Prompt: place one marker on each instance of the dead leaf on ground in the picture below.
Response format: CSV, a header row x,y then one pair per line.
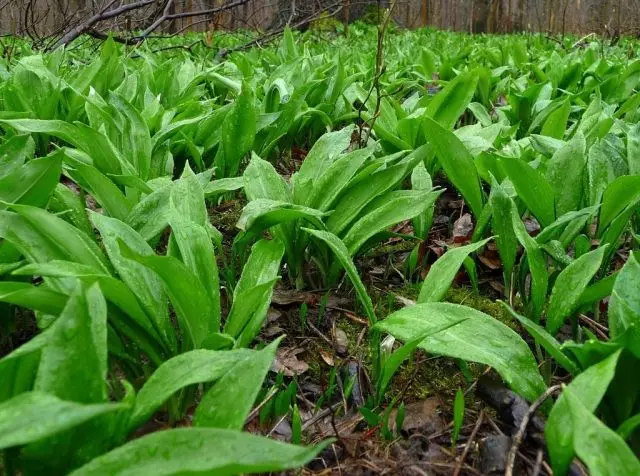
x,y
490,259
420,417
463,229
327,357
287,362
532,226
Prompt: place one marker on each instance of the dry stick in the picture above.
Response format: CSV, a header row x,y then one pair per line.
x,y
375,85
467,447
517,439
98,17
257,409
174,16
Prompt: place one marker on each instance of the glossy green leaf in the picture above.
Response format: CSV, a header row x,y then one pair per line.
x,y
33,183
589,388
342,255
502,227
188,297
457,162
569,285
475,336
550,344
449,104
229,402
196,366
624,305
74,361
33,416
532,188
200,450
603,451
444,270
388,209
238,131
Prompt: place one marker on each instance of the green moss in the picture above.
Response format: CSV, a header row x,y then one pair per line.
x,y
467,297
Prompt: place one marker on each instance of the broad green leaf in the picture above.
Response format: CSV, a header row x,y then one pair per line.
x,y
421,180
33,416
134,135
502,227
196,366
589,388
550,344
556,123
342,255
603,451
564,173
624,305
38,298
388,209
252,294
200,450
532,188
457,162
220,186
188,222
566,221
336,178
143,282
106,193
59,235
449,104
633,150
73,365
444,270
356,197
569,285
261,214
188,297
114,290
18,369
321,156
600,172
238,131
66,202
620,193
477,338
228,403
33,183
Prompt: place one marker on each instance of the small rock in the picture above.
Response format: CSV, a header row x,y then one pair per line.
x,y
493,455
340,341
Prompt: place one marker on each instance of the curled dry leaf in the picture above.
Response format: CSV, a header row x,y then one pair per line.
x,y
420,417
463,229
287,362
327,357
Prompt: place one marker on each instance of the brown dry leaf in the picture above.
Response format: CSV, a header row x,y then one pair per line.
x,y
532,226
285,297
498,286
327,357
463,229
287,362
490,259
351,316
420,417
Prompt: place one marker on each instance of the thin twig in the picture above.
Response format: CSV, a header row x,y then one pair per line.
x,y
467,447
519,436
